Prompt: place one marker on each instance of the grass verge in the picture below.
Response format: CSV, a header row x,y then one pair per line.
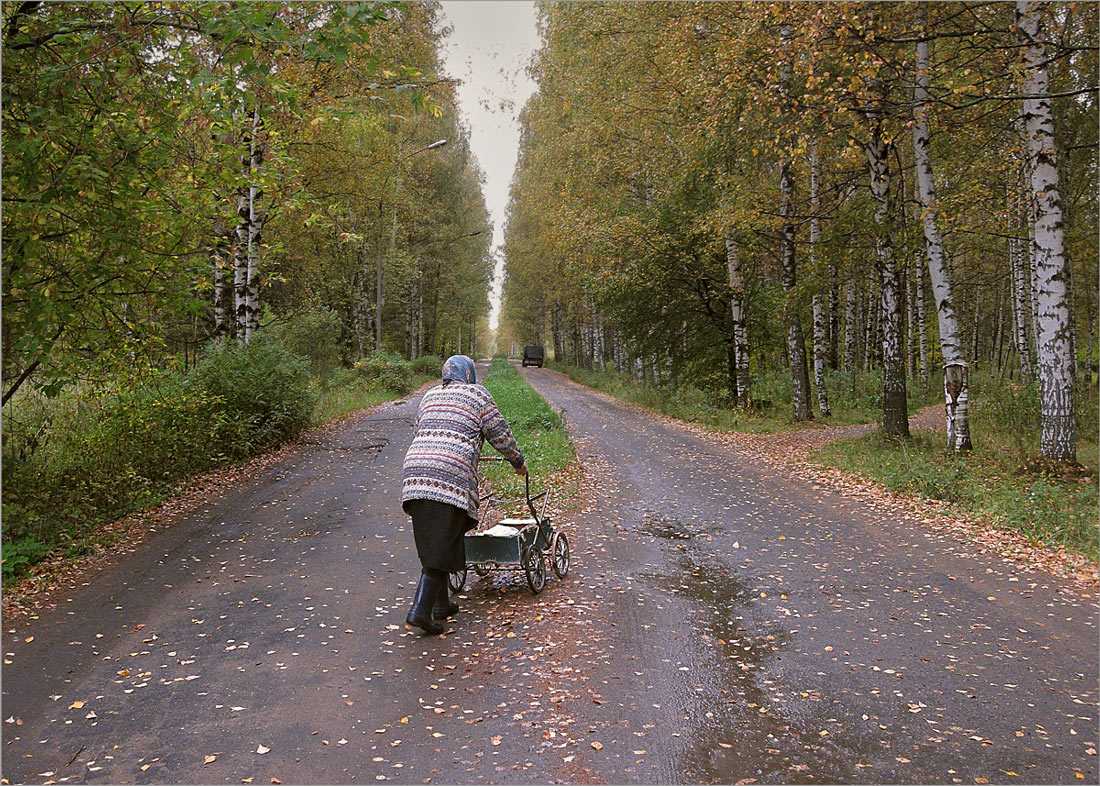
x,y
1003,482
538,429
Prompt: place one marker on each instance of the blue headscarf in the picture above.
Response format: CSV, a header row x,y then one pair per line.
x,y
459,368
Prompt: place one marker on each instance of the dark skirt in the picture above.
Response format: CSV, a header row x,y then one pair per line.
x,y
438,529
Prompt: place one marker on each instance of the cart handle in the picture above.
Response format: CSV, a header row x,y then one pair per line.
x,y
543,495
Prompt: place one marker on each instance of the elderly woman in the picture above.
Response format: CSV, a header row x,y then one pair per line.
x,y
439,481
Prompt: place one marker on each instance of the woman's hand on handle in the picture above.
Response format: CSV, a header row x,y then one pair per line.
x,y
522,469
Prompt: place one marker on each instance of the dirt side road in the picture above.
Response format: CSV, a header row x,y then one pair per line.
x,y
719,623
808,636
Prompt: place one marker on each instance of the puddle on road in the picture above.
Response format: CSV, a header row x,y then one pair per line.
x,y
666,527
745,726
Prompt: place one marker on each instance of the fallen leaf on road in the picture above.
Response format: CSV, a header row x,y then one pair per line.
x,y
29,639
598,746
724,745
262,750
208,759
495,740
76,705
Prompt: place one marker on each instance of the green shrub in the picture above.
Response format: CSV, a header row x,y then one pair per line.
x,y
262,390
313,335
386,371
428,365
93,454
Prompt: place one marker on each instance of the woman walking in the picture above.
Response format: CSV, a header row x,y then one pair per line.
x,y
439,481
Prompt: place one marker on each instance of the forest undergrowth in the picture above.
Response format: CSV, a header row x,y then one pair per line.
x,y
93,453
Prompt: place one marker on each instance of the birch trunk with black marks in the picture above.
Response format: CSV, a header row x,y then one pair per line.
x,y
895,417
922,326
1054,341
1021,314
851,325
821,319
796,342
256,219
223,281
240,252
740,344
834,314
955,385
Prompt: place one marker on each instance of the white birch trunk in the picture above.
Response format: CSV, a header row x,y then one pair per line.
x,y
895,417
922,326
955,385
255,226
796,343
240,253
737,312
1021,316
821,319
1054,340
223,285
851,324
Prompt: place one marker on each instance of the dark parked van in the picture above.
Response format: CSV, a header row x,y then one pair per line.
x,y
532,355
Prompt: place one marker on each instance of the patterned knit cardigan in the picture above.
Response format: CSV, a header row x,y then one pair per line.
x,y
453,423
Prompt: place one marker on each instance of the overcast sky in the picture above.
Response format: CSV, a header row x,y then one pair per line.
x,y
489,50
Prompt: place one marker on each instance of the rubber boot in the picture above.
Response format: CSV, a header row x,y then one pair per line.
x,y
420,614
443,607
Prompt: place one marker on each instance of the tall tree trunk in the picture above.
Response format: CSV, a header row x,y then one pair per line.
x,y
821,319
740,344
955,385
1054,340
223,284
255,225
895,417
244,232
851,324
796,342
379,299
922,326
834,313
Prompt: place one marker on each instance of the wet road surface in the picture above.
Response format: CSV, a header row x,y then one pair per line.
x,y
804,636
719,623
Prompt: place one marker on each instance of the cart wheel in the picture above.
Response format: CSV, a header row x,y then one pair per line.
x,y
559,547
482,570
535,569
457,580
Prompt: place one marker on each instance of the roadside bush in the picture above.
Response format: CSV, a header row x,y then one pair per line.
x,y
428,365
386,371
93,454
262,390
313,335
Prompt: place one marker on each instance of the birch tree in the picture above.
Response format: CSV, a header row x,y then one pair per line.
x,y
955,383
1054,340
796,342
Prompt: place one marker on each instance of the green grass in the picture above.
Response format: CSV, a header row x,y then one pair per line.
x,y
538,429
1003,481
853,398
344,393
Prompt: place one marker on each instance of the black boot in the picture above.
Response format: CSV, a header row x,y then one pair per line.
x,y
443,607
420,614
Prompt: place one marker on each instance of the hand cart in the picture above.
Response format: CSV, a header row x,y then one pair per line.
x,y
527,544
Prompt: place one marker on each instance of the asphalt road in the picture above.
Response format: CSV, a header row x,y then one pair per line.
x,y
720,623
